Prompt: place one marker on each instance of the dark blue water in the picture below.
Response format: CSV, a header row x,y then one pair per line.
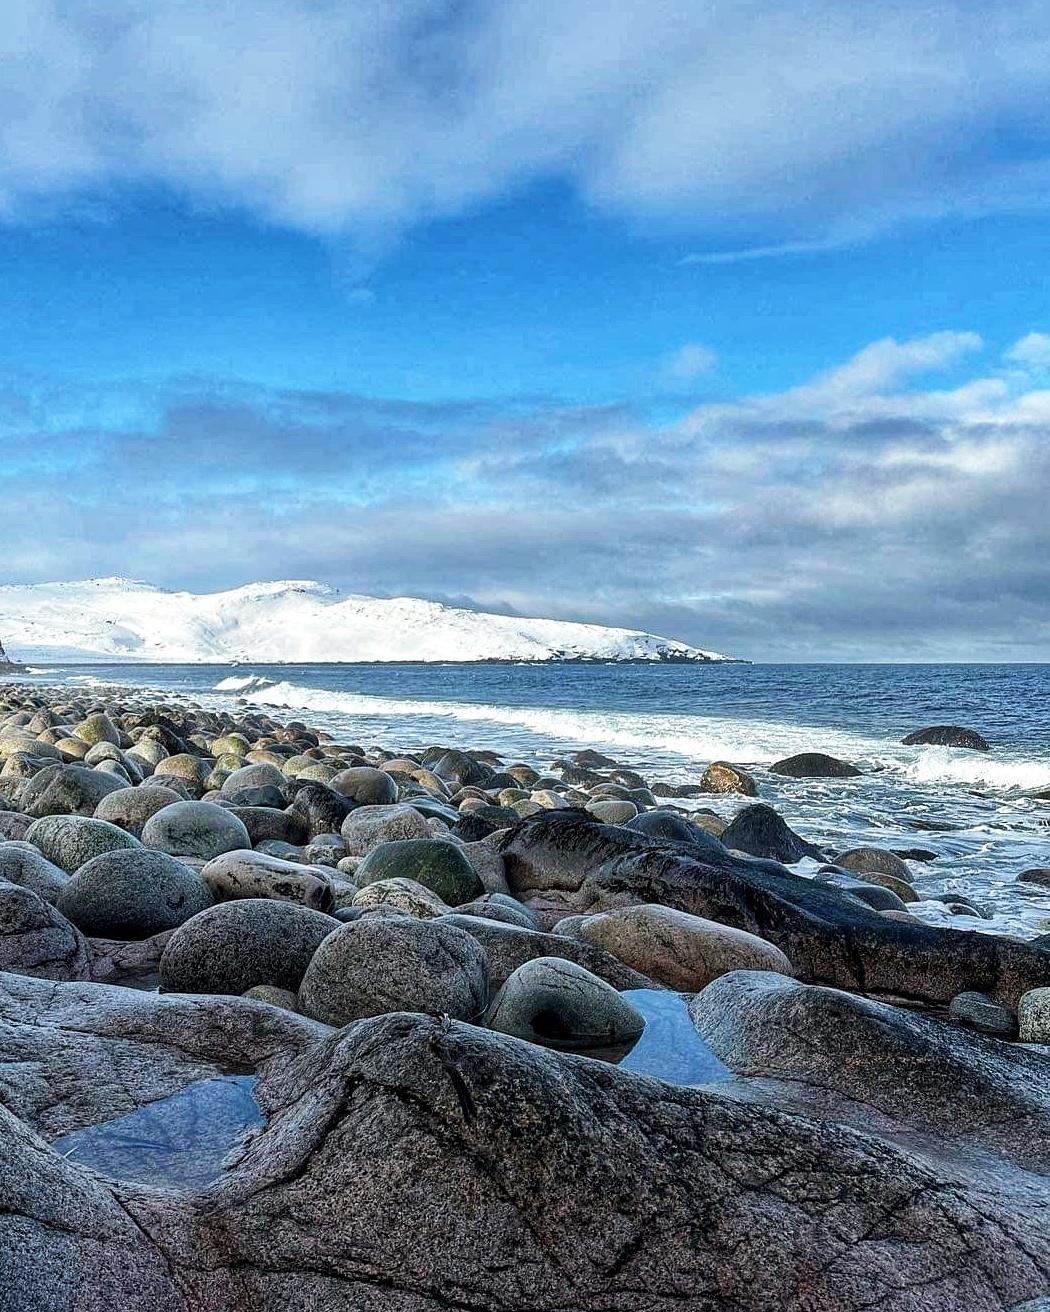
x,y
970,808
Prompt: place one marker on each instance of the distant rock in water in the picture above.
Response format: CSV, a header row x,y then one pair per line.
x,y
947,735
814,765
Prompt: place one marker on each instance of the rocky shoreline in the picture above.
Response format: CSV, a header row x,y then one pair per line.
x,y
410,974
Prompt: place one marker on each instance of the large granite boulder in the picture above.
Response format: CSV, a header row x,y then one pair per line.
x,y
376,965
68,841
132,894
564,863
36,939
195,829
233,946
559,1004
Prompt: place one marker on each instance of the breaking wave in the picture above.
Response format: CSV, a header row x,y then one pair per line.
x,y
692,738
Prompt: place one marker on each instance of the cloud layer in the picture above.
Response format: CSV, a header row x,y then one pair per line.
x,y
799,118
890,507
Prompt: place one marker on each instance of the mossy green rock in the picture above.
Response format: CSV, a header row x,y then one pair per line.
x,y
432,862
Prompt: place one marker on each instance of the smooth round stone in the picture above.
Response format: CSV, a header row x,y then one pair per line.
x,y
198,829
721,777
874,895
130,808
23,864
1033,1016
983,1013
234,946
366,786
273,997
68,790
368,826
13,744
437,864
684,952
68,841
36,939
246,874
558,1004
814,765
379,964
253,776
193,769
97,728
609,811
874,861
674,828
404,894
132,894
501,907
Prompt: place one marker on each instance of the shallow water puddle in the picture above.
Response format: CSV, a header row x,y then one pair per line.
x,y
180,1140
670,1048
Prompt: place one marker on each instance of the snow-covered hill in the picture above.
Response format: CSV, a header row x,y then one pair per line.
x,y
122,619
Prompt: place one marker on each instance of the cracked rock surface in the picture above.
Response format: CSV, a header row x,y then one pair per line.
x,y
394,1147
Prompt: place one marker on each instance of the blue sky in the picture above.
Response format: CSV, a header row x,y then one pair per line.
x,y
728,321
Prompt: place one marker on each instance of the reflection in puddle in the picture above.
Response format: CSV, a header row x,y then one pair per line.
x,y
670,1048
180,1140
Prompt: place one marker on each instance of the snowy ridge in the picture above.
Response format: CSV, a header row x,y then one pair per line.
x,y
296,621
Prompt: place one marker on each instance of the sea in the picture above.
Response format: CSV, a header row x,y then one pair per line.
x,y
972,810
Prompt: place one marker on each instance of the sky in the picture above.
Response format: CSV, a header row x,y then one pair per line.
x,y
724,320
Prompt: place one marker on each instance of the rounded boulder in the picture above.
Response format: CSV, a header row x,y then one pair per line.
x,y
133,893
197,829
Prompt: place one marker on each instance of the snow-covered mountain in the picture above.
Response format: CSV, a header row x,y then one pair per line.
x,y
119,619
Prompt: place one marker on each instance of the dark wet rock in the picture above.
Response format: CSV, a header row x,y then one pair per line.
x,y
435,863
36,939
873,895
947,735
247,874
721,777
457,767
23,864
874,861
592,760
264,824
498,906
14,825
130,808
471,828
563,863
981,1012
68,790
959,904
1038,876
70,840
132,894
676,949
366,786
372,966
760,831
195,829
675,829
814,765
510,946
268,796
559,1004
916,854
321,809
235,945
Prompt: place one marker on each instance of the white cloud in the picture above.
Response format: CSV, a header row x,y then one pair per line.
x,y
689,363
367,117
1031,351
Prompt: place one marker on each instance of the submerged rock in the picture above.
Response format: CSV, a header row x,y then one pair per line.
x,y
760,831
815,765
947,735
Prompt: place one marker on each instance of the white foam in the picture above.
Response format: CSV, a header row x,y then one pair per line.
x,y
243,683
694,738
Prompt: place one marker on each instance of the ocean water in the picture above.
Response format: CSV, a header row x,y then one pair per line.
x,y
669,722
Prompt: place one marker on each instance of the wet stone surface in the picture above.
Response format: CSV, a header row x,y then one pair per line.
x,y
179,1141
670,1048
